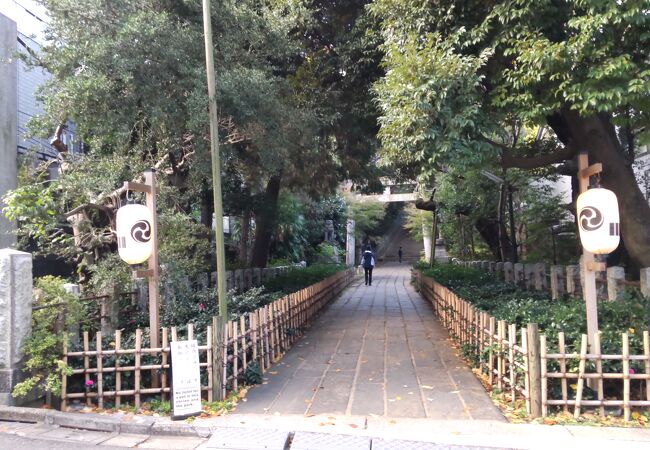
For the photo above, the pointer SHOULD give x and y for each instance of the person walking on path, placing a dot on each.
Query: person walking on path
(399, 254)
(368, 262)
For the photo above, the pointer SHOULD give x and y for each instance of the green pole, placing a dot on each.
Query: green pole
(218, 210)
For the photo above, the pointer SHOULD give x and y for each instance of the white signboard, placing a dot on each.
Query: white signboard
(186, 378)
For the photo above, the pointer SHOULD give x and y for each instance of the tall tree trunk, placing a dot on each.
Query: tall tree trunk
(488, 228)
(504, 242)
(265, 215)
(207, 209)
(597, 135)
(243, 243)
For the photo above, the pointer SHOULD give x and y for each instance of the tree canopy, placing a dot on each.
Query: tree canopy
(477, 75)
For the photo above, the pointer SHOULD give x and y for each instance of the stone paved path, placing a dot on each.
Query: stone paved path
(376, 350)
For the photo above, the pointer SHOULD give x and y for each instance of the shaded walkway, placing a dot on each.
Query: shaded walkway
(376, 350)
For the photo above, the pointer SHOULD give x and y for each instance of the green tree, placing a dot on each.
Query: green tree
(366, 215)
(477, 73)
(130, 75)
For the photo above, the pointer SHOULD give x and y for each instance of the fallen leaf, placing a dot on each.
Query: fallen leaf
(393, 421)
(398, 398)
(424, 386)
(273, 373)
(354, 425)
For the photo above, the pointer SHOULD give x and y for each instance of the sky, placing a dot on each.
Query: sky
(19, 11)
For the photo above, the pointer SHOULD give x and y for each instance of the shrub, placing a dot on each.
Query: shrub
(58, 311)
(298, 278)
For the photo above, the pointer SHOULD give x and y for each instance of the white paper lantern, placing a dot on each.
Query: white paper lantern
(598, 220)
(133, 227)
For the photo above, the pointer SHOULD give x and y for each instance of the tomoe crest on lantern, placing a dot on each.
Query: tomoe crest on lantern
(133, 227)
(598, 220)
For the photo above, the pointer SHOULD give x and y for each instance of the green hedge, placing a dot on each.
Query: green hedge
(507, 302)
(299, 278)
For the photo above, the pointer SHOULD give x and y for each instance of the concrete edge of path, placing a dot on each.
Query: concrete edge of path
(475, 433)
(98, 422)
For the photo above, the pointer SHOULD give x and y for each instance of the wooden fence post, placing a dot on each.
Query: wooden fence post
(534, 371)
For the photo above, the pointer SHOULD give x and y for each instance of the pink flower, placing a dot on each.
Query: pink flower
(201, 307)
(89, 383)
(632, 372)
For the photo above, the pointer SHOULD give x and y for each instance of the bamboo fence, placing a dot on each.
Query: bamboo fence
(259, 337)
(519, 361)
(590, 371)
(264, 335)
(496, 347)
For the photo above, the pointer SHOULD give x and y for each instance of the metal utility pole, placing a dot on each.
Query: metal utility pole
(219, 321)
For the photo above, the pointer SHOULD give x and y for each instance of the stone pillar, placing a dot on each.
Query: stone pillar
(203, 282)
(614, 288)
(142, 293)
(110, 310)
(15, 317)
(248, 279)
(8, 120)
(558, 286)
(239, 279)
(492, 267)
(350, 243)
(508, 272)
(573, 285)
(645, 281)
(498, 267)
(257, 276)
(265, 275)
(229, 280)
(540, 277)
(485, 266)
(426, 238)
(529, 276)
(75, 290)
(520, 275)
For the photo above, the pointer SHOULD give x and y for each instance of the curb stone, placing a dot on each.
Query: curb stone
(97, 422)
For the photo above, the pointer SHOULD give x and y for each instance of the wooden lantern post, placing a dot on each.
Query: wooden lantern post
(150, 190)
(589, 264)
